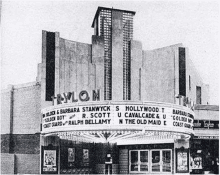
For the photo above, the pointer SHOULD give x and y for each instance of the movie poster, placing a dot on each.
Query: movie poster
(71, 155)
(196, 162)
(49, 158)
(182, 164)
(85, 155)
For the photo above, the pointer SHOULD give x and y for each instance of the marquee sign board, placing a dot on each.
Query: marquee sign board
(116, 116)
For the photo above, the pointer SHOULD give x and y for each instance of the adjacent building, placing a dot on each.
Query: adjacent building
(109, 107)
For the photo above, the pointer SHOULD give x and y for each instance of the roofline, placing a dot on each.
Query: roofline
(105, 8)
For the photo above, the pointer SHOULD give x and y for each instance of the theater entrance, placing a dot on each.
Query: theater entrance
(143, 161)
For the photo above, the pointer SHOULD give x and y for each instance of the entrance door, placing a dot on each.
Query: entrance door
(161, 161)
(156, 161)
(152, 161)
(166, 161)
(139, 161)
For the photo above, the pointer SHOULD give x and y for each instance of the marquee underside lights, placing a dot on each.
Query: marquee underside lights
(120, 136)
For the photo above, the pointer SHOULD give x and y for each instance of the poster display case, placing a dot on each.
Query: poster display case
(182, 160)
(71, 156)
(49, 156)
(85, 157)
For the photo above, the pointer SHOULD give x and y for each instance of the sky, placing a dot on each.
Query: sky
(156, 24)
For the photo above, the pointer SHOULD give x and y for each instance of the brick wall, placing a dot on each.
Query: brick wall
(21, 106)
(26, 144)
(5, 111)
(5, 143)
(26, 110)
(20, 143)
(27, 163)
(7, 163)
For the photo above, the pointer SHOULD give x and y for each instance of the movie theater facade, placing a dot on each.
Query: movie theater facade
(128, 137)
(108, 107)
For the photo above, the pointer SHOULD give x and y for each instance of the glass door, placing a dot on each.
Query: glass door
(161, 161)
(144, 161)
(155, 161)
(134, 161)
(155, 164)
(166, 160)
(139, 161)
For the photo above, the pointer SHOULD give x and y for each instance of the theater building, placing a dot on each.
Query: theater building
(109, 107)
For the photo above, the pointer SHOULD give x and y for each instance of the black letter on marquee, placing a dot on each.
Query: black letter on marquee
(83, 115)
(96, 95)
(120, 121)
(81, 94)
(117, 108)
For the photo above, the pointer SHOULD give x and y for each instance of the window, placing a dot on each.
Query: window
(50, 65)
(182, 71)
(198, 95)
(189, 82)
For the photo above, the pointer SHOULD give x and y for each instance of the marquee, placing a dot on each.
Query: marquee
(117, 116)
